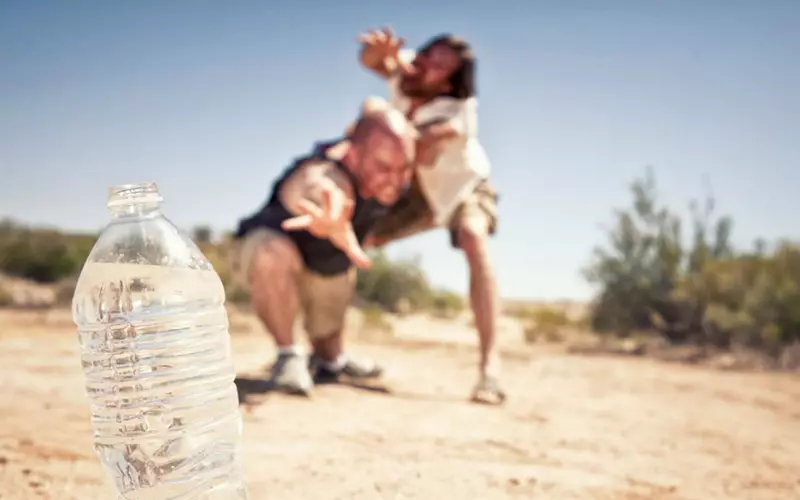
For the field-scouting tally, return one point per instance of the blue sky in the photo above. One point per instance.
(212, 99)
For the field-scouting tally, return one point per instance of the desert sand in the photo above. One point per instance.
(573, 427)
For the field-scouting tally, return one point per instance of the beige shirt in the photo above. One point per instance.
(462, 163)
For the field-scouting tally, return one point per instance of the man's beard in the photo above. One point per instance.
(414, 90)
(420, 94)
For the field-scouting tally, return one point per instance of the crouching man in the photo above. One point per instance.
(299, 250)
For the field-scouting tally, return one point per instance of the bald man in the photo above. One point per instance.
(300, 250)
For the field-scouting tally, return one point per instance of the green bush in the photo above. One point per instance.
(386, 283)
(402, 287)
(446, 304)
(533, 334)
(523, 313)
(374, 319)
(41, 255)
(702, 291)
(548, 317)
(545, 323)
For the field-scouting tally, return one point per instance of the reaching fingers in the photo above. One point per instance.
(384, 38)
(297, 223)
(385, 34)
(392, 40)
(393, 43)
(347, 209)
(369, 38)
(335, 208)
(311, 209)
(327, 195)
(354, 251)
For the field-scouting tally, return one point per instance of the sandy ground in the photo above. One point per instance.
(574, 428)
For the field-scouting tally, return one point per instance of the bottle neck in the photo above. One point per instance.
(134, 201)
(135, 211)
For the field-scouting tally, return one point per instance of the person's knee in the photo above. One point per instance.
(276, 257)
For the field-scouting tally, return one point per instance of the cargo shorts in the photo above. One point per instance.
(412, 215)
(323, 299)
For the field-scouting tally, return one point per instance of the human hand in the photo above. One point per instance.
(381, 48)
(331, 221)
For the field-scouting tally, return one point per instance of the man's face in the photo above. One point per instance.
(384, 170)
(433, 71)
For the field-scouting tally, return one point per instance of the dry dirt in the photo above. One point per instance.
(573, 428)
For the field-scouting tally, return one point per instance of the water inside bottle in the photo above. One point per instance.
(156, 357)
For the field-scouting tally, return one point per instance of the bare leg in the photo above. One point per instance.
(273, 288)
(326, 300)
(329, 348)
(483, 293)
(334, 361)
(275, 298)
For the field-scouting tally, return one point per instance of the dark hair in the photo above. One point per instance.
(462, 81)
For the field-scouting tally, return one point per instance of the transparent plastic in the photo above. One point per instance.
(155, 351)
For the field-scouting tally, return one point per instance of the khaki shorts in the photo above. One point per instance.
(323, 299)
(412, 215)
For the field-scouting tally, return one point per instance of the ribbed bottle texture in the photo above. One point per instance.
(155, 351)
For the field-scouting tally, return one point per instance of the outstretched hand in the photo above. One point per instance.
(331, 221)
(382, 46)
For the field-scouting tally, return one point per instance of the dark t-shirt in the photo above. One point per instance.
(319, 255)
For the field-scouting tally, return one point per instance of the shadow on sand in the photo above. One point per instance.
(253, 390)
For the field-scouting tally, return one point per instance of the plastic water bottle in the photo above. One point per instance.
(156, 357)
